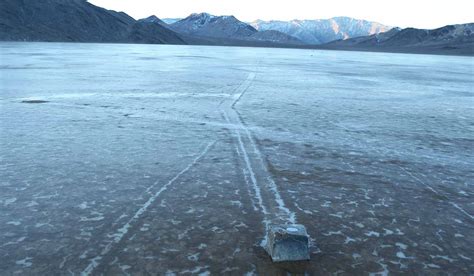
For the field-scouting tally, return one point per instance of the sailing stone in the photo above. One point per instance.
(287, 243)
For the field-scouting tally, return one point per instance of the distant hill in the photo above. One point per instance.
(454, 39)
(322, 30)
(76, 21)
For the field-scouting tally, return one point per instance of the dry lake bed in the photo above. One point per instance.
(142, 159)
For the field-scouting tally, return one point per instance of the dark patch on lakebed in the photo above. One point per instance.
(34, 101)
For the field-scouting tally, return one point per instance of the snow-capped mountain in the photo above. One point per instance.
(322, 30)
(228, 30)
(207, 25)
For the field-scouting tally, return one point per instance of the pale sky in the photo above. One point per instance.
(402, 13)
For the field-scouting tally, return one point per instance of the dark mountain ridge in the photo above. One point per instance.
(76, 21)
(454, 39)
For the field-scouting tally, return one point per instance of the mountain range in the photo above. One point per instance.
(80, 21)
(323, 30)
(209, 26)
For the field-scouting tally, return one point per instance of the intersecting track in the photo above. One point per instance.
(256, 174)
(121, 232)
(264, 187)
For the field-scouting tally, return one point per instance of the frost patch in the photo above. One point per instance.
(25, 262)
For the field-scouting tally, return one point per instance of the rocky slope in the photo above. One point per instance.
(275, 36)
(75, 21)
(323, 30)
